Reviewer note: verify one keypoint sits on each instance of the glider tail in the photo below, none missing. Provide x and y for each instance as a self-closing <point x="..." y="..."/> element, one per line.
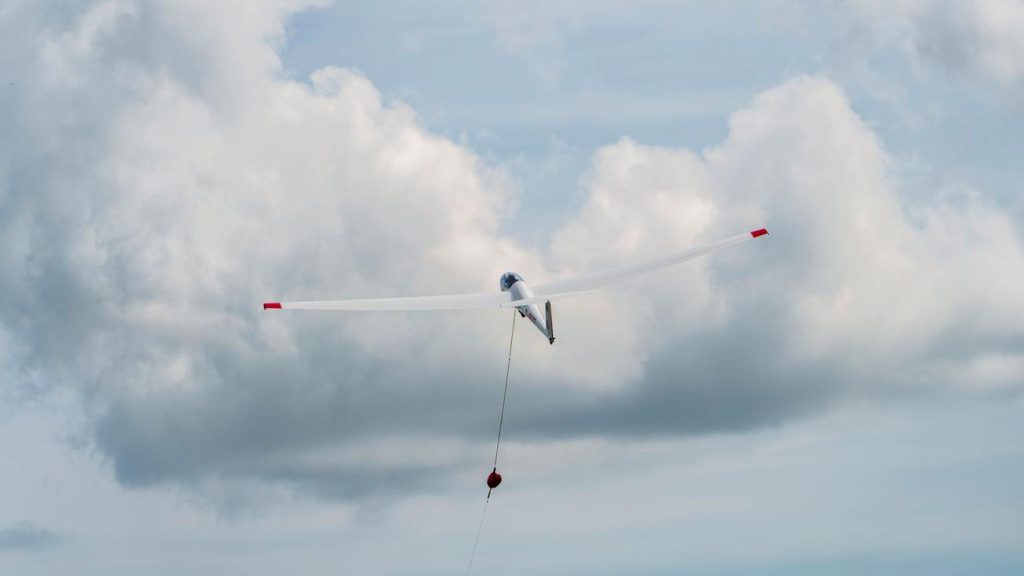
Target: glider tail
<point x="550" y="322"/>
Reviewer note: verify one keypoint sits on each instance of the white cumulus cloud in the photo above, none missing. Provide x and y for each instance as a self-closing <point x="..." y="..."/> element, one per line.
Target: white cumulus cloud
<point x="161" y="178"/>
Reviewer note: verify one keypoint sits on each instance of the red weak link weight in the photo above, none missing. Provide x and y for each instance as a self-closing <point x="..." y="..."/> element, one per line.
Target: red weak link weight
<point x="493" y="479"/>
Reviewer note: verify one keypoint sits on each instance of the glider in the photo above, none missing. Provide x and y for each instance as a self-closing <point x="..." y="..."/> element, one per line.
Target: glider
<point x="515" y="293"/>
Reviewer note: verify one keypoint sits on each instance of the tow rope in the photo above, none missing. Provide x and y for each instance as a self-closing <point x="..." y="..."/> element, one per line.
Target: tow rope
<point x="494" y="479"/>
<point x="476" y="541"/>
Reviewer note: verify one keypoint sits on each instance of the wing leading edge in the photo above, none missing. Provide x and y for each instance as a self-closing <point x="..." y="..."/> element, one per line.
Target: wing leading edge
<point x="558" y="289"/>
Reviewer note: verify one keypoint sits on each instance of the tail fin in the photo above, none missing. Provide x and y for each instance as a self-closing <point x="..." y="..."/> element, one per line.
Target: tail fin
<point x="550" y="322"/>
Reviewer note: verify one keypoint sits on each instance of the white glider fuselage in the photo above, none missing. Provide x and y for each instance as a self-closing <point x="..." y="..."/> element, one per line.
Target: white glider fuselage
<point x="516" y="287"/>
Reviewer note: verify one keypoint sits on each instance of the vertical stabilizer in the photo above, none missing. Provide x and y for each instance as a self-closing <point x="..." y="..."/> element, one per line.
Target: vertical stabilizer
<point x="550" y="322"/>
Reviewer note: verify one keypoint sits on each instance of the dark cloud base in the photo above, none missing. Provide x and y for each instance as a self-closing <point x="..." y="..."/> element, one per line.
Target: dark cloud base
<point x="249" y="420"/>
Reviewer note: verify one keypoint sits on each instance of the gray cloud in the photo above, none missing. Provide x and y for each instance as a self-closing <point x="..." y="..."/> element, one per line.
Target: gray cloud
<point x="978" y="40"/>
<point x="702" y="387"/>
<point x="162" y="183"/>
<point x="27" y="536"/>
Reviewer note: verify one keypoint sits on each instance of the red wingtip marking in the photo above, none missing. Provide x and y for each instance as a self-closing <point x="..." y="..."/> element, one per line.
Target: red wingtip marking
<point x="761" y="232"/>
<point x="269" y="305"/>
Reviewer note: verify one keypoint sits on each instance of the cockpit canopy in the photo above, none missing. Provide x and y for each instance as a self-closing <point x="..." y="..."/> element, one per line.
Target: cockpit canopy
<point x="508" y="279"/>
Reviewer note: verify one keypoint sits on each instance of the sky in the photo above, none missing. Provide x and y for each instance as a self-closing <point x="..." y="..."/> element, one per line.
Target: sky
<point x="843" y="396"/>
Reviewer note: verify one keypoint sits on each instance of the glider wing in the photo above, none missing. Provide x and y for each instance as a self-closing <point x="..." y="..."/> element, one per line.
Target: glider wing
<point x="552" y="290"/>
<point x="446" y="302"/>
<point x="594" y="280"/>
